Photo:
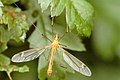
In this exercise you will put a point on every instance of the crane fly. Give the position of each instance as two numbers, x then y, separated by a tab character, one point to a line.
72	61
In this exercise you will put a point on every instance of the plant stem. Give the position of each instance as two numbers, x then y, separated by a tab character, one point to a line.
9	75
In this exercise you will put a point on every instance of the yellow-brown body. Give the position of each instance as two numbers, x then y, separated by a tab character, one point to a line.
54	46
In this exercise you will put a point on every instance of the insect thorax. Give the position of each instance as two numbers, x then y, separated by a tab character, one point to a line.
55	44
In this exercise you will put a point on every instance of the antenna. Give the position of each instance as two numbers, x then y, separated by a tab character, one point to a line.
38	28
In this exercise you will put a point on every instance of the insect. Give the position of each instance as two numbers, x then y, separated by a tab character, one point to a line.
72	61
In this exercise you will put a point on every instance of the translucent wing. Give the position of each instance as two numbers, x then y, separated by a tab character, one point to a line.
27	55
76	64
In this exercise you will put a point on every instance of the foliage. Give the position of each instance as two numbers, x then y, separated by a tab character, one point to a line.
106	39
77	14
13	26
8	68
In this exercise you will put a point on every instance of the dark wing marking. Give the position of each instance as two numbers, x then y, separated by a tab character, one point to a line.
76	64
27	55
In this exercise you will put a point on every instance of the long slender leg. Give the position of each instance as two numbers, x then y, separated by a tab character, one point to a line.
58	57
64	34
59	63
52	27
46	37
49	55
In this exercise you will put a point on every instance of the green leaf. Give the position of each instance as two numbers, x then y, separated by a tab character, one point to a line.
5	66
3	46
13	26
21	69
73	43
56	75
42	65
57	7
4	59
45	28
70	15
79	14
44	4
10	68
9	1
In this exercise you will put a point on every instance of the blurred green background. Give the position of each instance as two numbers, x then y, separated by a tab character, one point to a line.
103	47
104	43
